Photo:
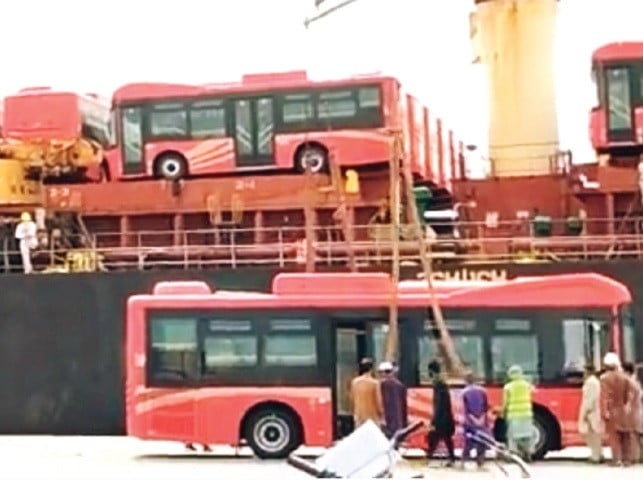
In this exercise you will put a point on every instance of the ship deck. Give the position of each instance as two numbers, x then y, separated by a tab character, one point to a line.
285	247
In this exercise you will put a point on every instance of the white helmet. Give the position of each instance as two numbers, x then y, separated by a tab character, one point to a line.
611	360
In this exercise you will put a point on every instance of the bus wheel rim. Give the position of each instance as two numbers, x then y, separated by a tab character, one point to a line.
313	159
539	436
271	434
171	167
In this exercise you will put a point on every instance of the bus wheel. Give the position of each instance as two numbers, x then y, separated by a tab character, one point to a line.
312	156
170	166
544	432
272	433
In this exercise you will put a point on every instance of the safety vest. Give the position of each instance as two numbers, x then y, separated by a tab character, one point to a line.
518	399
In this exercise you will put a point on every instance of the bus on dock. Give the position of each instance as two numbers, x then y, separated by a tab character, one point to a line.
273	369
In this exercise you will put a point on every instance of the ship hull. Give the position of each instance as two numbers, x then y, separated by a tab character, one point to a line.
62	336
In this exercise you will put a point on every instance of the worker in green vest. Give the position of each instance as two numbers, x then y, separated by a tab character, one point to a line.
518	413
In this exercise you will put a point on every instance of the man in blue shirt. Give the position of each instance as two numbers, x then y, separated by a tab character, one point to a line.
475	405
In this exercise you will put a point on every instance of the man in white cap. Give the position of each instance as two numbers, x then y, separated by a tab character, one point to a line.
615	394
393	399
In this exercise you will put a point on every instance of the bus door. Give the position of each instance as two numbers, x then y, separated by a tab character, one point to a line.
131	129
620	93
350	348
254	132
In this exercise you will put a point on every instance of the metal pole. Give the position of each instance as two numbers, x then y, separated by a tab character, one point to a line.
394	207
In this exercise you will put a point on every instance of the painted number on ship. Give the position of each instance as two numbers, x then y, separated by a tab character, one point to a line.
58	192
244	184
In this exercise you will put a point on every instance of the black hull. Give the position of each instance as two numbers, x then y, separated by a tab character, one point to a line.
61	338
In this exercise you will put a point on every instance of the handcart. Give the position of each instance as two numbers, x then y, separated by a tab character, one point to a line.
501	452
365	453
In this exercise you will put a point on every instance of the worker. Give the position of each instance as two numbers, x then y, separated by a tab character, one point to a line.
476	406
634	409
518	413
26	234
366	395
615	396
589	415
393	398
442	421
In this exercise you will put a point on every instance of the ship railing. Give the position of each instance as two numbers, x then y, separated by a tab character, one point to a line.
286	247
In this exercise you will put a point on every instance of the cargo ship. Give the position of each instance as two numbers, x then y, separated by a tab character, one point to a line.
234	182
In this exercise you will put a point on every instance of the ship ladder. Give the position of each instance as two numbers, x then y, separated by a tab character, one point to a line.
343	211
614	244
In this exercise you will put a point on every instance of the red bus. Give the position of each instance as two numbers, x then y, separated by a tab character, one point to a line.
273	369
616	123
278	121
65	131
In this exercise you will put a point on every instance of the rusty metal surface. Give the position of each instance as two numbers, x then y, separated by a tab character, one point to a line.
275	192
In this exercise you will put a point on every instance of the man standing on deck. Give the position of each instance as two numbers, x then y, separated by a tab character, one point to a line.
589	415
394	399
517	411
634	412
476	406
26	234
366	395
615	395
442	421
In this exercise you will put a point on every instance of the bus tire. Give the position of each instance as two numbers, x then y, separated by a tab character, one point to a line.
170	166
314	155
546	432
273	433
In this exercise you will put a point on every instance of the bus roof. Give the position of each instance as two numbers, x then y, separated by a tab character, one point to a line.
618	51
249	83
355	290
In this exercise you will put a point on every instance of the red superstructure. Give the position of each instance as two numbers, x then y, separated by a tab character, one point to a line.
279	121
577	210
56	131
273	369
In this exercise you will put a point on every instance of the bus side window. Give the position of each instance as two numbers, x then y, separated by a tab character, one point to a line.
468	342
513	342
290	343
229	344
584	343
174	353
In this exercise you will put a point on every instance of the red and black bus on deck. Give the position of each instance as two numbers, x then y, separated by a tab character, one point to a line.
273	369
273	122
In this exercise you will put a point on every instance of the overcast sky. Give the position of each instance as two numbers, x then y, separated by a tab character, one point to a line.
99	45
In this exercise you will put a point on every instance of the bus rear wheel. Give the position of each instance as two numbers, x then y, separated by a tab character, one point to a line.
272	433
544	433
170	166
313	157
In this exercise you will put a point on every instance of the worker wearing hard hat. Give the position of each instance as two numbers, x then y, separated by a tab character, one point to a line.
26	234
518	412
